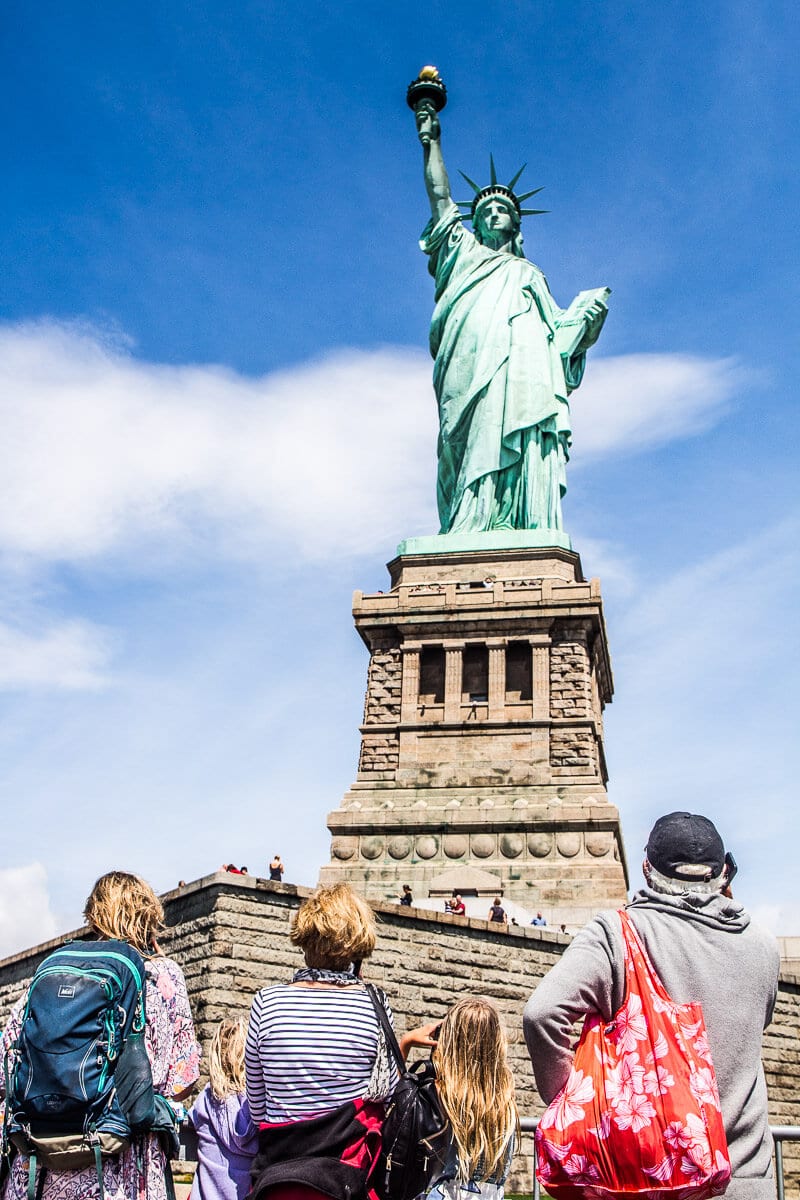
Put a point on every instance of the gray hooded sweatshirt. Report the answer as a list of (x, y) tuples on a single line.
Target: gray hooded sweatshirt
[(704, 949)]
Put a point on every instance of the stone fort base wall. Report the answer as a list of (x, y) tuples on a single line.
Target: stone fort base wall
[(230, 936)]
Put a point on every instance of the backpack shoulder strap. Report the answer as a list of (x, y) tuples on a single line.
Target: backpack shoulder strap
[(386, 1025)]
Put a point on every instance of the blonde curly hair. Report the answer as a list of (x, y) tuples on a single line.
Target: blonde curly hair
[(123, 906), (334, 928)]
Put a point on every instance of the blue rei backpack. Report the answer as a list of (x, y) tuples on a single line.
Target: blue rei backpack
[(78, 1080)]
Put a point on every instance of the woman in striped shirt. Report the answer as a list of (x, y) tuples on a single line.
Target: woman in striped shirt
[(317, 1072)]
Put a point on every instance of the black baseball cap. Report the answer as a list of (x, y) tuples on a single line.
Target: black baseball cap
[(682, 843)]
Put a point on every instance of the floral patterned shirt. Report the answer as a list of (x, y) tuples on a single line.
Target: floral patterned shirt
[(139, 1172)]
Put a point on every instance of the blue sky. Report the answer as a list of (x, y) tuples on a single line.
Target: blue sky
[(218, 420)]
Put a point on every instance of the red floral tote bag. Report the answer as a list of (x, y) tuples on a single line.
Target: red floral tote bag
[(640, 1112)]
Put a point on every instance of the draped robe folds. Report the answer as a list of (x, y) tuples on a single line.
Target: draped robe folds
[(506, 359)]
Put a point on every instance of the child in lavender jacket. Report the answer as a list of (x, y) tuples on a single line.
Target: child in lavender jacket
[(227, 1139)]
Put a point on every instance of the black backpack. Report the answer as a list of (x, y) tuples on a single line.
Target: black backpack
[(416, 1134)]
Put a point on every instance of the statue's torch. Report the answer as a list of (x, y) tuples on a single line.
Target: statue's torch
[(428, 86)]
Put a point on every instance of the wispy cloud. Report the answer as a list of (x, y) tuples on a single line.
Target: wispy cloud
[(783, 920), (68, 655), (25, 914), (638, 401), (706, 709), (609, 562), (103, 452)]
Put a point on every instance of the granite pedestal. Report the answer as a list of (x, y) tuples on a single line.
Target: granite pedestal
[(482, 767)]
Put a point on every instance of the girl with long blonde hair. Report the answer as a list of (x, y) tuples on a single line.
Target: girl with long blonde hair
[(476, 1092), (226, 1137)]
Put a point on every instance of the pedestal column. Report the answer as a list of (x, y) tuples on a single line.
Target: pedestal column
[(497, 680), (410, 689), (453, 671), (540, 678)]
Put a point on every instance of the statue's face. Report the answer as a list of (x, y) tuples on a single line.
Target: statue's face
[(495, 224)]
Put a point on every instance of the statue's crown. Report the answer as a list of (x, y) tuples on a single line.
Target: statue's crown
[(505, 190)]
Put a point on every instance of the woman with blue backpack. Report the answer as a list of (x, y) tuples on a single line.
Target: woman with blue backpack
[(96, 1055)]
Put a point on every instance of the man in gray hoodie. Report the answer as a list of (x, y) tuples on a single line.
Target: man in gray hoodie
[(704, 948)]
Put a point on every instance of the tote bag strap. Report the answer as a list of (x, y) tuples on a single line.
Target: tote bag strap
[(639, 970)]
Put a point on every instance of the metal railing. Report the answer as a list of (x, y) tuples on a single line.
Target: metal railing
[(780, 1134)]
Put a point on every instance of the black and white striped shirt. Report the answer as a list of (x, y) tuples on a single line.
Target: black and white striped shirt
[(309, 1049)]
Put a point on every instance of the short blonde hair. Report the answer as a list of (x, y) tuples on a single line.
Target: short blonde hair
[(334, 928), (226, 1058), (123, 906)]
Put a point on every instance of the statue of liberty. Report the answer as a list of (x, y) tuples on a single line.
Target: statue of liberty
[(506, 356)]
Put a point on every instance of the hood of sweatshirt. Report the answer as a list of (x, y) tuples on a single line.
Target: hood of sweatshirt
[(230, 1122), (715, 909)]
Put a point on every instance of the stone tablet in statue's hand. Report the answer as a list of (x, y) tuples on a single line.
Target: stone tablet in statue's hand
[(428, 127), (594, 315), (589, 311)]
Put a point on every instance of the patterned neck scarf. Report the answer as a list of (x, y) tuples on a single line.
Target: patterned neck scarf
[(322, 975)]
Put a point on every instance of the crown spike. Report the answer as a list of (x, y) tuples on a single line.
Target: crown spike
[(500, 190), (471, 182)]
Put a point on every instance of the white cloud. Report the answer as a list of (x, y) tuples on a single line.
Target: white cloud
[(102, 451), (70, 655), (638, 401), (609, 562), (782, 920), (25, 914)]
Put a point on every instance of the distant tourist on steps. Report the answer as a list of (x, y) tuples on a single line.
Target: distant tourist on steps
[(276, 869)]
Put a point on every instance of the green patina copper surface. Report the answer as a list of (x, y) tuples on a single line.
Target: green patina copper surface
[(493, 539), (506, 360)]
